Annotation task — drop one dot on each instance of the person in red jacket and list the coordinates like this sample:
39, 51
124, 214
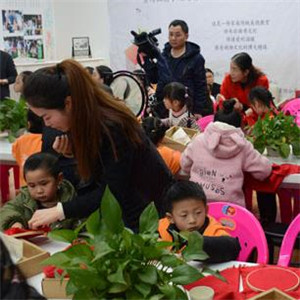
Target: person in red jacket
242, 78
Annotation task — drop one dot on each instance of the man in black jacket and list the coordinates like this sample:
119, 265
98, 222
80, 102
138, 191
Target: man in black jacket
8, 74
180, 61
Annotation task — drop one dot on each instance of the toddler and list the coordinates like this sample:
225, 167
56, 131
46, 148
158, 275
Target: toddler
218, 158
187, 211
156, 130
178, 102
45, 187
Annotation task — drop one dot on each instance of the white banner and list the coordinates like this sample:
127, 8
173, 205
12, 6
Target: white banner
268, 30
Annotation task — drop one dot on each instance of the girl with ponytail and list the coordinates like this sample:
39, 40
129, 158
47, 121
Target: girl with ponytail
218, 158
179, 103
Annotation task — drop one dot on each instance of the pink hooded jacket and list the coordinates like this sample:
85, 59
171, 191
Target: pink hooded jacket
217, 159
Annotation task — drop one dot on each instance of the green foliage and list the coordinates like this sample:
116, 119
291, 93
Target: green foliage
13, 116
278, 133
112, 262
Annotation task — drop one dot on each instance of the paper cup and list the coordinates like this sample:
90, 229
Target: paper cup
201, 293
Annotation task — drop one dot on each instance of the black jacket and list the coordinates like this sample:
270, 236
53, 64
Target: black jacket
7, 71
188, 69
137, 178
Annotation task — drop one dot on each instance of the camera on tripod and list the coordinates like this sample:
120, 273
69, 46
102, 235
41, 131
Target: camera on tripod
147, 42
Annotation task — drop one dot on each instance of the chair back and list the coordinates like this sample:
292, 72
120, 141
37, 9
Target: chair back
293, 108
244, 225
288, 242
204, 121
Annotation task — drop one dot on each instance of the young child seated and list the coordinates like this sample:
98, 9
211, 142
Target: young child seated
218, 158
179, 104
28, 143
187, 211
262, 103
20, 81
45, 187
156, 130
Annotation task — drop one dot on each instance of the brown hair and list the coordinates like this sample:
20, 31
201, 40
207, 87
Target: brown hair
93, 114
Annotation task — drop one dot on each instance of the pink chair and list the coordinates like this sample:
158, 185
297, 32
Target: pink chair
244, 225
293, 108
288, 242
203, 122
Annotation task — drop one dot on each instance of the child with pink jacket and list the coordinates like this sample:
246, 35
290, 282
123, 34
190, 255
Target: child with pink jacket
217, 158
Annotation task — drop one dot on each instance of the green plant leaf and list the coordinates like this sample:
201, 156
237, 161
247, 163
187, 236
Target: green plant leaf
296, 148
148, 275
116, 288
64, 235
87, 278
157, 297
71, 288
168, 290
149, 219
93, 222
193, 250
118, 276
170, 261
181, 294
213, 272
102, 249
143, 288
284, 150
58, 259
111, 212
185, 274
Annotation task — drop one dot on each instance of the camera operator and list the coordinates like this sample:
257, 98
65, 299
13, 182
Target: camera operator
180, 61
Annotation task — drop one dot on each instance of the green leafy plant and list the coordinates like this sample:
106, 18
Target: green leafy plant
112, 262
13, 117
278, 133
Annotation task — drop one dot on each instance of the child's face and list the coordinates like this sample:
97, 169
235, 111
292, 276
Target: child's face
258, 107
18, 86
188, 214
174, 104
42, 186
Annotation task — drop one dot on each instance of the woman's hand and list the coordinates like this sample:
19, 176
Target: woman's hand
44, 217
62, 145
17, 225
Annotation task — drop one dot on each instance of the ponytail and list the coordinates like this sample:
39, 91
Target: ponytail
228, 114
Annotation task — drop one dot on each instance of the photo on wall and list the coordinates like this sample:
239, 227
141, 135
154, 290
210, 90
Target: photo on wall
23, 34
33, 25
12, 22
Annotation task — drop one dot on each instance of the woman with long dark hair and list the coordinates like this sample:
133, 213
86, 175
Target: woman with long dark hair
243, 76
105, 138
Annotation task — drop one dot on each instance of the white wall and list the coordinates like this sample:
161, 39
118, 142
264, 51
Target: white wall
73, 18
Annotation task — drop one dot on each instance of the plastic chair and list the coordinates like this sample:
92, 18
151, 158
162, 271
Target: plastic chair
293, 108
203, 122
288, 242
244, 225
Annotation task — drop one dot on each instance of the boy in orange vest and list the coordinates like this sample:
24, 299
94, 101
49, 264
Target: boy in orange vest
187, 211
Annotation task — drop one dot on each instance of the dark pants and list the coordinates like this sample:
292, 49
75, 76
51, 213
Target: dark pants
267, 207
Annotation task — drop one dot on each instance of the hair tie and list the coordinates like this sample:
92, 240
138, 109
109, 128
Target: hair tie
186, 95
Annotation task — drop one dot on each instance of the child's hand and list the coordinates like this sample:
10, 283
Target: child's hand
43, 217
17, 225
62, 145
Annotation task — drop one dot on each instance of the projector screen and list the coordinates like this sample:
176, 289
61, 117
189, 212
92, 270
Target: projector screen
268, 30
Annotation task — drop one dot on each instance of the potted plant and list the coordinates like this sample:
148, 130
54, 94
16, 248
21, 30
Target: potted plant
115, 263
278, 133
13, 117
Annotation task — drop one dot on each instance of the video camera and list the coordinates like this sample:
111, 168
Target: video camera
147, 42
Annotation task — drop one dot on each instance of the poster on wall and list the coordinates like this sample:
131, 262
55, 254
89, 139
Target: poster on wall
23, 34
221, 29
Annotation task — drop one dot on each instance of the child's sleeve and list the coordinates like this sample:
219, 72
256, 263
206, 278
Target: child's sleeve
186, 160
12, 212
214, 247
255, 163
